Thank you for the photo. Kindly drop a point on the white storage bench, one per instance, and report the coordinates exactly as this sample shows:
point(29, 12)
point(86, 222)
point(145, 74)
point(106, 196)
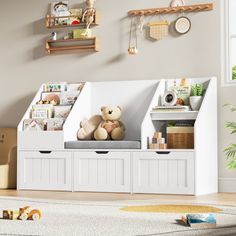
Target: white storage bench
point(163, 172)
point(55, 160)
point(45, 170)
point(103, 171)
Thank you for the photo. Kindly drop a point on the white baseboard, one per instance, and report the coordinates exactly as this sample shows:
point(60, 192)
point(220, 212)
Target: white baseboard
point(227, 185)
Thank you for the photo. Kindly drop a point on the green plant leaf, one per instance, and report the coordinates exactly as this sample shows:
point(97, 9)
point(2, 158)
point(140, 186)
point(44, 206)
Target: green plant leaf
point(230, 151)
point(197, 90)
point(234, 73)
point(232, 126)
point(231, 107)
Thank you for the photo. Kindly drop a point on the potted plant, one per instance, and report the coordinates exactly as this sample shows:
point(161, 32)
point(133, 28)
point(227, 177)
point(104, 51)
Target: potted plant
point(230, 150)
point(196, 96)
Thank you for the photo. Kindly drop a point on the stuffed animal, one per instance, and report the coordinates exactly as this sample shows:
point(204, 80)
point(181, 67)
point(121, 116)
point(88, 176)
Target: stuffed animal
point(110, 127)
point(87, 127)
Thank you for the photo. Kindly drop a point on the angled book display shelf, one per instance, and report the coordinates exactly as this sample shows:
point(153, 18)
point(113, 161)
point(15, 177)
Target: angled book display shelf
point(46, 162)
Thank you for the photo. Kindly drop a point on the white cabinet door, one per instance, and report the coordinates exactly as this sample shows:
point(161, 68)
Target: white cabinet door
point(163, 172)
point(102, 171)
point(44, 170)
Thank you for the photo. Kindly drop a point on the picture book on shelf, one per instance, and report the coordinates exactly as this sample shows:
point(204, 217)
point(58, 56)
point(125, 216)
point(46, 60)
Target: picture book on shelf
point(34, 125)
point(62, 111)
point(55, 87)
point(51, 124)
point(55, 124)
point(68, 97)
point(40, 114)
point(42, 111)
point(54, 106)
point(51, 97)
point(75, 86)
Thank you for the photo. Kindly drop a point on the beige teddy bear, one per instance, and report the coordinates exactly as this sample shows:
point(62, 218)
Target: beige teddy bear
point(111, 127)
point(87, 127)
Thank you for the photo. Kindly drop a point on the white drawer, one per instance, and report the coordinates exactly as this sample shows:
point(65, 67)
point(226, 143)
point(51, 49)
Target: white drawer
point(40, 140)
point(102, 171)
point(44, 170)
point(163, 172)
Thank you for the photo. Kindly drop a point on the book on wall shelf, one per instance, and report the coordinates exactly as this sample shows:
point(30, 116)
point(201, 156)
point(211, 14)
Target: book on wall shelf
point(50, 21)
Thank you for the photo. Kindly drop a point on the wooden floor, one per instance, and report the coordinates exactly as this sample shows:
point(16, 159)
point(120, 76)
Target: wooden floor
point(219, 198)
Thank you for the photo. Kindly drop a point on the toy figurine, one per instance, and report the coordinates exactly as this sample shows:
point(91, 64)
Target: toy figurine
point(23, 214)
point(54, 35)
point(89, 13)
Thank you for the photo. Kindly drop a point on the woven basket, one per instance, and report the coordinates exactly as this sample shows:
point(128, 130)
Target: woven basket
point(158, 30)
point(180, 137)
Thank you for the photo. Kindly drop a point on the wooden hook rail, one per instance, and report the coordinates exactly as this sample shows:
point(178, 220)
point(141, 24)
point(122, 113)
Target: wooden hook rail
point(169, 10)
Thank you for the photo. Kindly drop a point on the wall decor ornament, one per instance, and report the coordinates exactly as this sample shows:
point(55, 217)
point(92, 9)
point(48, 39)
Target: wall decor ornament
point(169, 98)
point(133, 49)
point(89, 13)
point(177, 3)
point(172, 10)
point(158, 30)
point(182, 25)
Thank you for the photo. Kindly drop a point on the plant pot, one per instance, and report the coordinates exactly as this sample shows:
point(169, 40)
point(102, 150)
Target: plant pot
point(195, 102)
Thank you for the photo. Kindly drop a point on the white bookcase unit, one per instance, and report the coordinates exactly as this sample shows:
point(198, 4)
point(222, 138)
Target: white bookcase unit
point(45, 164)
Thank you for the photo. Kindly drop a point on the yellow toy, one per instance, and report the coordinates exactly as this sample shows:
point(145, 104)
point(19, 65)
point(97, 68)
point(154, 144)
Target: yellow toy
point(23, 214)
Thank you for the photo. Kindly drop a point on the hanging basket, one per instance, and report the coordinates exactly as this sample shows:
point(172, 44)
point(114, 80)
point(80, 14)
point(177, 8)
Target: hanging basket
point(158, 30)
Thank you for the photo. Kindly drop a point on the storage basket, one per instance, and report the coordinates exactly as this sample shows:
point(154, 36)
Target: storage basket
point(158, 30)
point(180, 137)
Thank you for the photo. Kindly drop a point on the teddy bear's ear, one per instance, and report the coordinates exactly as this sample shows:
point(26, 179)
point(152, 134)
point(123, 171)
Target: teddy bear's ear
point(119, 108)
point(102, 108)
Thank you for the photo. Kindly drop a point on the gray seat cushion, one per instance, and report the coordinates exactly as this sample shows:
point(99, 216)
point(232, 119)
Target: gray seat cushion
point(103, 144)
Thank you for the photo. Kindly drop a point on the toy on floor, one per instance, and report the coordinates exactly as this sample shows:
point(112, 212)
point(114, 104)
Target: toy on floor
point(110, 127)
point(22, 214)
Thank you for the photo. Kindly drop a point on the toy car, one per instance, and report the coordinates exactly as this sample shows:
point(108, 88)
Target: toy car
point(23, 214)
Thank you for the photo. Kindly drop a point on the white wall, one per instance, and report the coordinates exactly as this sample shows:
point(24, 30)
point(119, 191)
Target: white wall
point(24, 66)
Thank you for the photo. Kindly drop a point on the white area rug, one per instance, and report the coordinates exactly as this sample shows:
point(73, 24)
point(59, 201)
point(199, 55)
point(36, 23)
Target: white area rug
point(104, 219)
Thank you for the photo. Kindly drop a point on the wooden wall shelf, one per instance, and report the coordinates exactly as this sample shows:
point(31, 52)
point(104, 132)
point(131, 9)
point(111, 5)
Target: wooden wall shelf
point(72, 45)
point(49, 22)
point(169, 10)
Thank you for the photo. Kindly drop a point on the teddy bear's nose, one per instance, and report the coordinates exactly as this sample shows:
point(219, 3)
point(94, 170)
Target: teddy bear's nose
point(110, 112)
